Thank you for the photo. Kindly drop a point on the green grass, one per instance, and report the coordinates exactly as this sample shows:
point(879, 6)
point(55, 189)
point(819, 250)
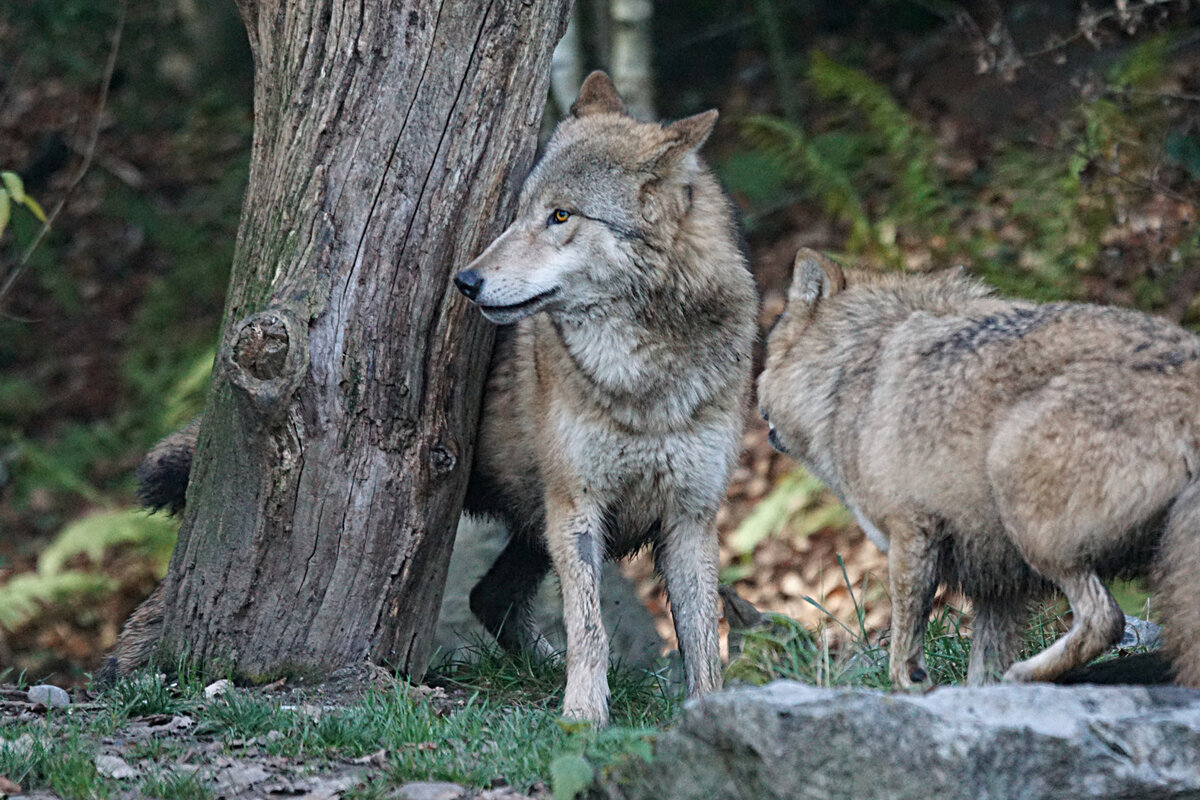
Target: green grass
point(495, 721)
point(785, 649)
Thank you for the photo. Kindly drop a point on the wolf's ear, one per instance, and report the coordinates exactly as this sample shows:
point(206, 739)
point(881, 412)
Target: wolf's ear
point(598, 95)
point(687, 135)
point(814, 277)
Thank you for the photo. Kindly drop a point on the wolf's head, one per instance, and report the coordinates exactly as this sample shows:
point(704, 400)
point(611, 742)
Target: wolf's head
point(607, 187)
point(815, 279)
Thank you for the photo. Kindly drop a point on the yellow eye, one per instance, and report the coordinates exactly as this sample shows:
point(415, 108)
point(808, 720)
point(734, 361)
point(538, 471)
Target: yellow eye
point(559, 216)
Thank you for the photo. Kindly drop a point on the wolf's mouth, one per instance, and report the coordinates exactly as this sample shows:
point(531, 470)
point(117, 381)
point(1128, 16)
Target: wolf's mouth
point(516, 308)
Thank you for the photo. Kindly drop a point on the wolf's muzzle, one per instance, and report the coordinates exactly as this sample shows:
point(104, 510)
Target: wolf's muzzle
point(469, 282)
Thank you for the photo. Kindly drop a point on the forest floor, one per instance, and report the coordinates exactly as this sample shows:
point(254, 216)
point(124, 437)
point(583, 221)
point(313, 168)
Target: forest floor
point(360, 735)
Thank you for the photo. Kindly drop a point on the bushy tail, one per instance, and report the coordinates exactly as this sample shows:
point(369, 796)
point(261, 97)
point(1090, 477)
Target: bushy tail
point(1178, 581)
point(162, 484)
point(163, 474)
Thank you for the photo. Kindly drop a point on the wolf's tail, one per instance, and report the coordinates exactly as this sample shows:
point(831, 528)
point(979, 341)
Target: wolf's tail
point(1178, 581)
point(163, 474)
point(162, 484)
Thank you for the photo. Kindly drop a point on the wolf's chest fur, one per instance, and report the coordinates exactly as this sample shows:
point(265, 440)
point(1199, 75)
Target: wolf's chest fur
point(595, 413)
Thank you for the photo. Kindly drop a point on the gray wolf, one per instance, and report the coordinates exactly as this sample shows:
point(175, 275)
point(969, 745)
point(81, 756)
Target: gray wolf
point(615, 404)
point(1006, 448)
point(616, 396)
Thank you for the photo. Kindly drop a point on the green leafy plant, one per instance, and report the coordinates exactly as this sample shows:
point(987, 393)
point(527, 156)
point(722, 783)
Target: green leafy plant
point(12, 193)
point(26, 595)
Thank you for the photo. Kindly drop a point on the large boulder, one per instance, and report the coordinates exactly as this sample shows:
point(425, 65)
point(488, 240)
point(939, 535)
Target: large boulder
point(633, 638)
point(790, 741)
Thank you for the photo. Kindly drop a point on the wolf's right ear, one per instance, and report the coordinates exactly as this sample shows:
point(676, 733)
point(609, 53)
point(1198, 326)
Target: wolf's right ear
point(598, 95)
point(814, 277)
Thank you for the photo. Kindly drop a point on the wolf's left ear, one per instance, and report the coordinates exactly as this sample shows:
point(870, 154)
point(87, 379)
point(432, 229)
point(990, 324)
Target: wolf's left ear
point(687, 135)
point(598, 95)
point(814, 277)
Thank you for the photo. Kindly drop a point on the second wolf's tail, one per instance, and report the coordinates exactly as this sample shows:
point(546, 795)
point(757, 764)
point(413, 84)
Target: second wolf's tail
point(1178, 581)
point(163, 474)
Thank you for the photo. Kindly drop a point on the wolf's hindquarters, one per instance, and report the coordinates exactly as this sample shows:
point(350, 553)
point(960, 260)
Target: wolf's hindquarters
point(1177, 574)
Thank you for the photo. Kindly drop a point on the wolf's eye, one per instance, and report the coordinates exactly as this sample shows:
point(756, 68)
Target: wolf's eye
point(558, 216)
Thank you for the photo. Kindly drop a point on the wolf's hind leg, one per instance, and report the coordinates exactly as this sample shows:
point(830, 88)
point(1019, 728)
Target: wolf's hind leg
point(912, 581)
point(503, 598)
point(687, 558)
point(1098, 625)
point(995, 638)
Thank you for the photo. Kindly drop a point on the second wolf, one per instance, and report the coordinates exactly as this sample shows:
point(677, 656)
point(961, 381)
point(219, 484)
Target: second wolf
point(1006, 448)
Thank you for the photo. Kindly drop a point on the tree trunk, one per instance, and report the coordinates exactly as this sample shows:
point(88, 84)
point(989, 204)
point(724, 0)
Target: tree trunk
point(390, 139)
point(633, 55)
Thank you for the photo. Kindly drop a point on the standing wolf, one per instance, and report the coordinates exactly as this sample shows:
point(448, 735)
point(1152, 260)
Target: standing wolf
point(614, 405)
point(1003, 447)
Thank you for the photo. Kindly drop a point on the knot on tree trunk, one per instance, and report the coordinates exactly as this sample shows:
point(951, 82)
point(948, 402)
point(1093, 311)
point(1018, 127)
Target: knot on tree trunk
point(266, 357)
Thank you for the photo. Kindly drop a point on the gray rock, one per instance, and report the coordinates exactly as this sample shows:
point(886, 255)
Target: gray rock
point(789, 740)
point(632, 634)
point(1140, 633)
point(430, 790)
point(48, 695)
point(114, 767)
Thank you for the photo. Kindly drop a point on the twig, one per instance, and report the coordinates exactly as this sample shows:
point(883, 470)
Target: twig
point(1089, 24)
point(89, 154)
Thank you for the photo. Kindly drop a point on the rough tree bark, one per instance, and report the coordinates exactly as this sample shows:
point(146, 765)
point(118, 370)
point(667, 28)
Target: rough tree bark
point(390, 137)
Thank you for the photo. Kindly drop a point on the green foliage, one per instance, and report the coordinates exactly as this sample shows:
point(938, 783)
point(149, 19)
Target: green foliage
point(12, 192)
point(144, 693)
point(637, 697)
point(798, 504)
point(570, 776)
point(178, 785)
point(92, 535)
point(59, 758)
point(26, 595)
point(878, 149)
point(1034, 216)
point(795, 156)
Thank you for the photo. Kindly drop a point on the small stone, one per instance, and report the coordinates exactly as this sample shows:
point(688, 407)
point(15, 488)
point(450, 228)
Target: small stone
point(48, 695)
point(114, 767)
point(216, 689)
point(1140, 633)
point(791, 585)
point(431, 790)
point(274, 736)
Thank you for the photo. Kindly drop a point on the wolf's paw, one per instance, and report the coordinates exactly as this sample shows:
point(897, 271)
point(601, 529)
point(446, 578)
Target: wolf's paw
point(910, 677)
point(587, 703)
point(1021, 672)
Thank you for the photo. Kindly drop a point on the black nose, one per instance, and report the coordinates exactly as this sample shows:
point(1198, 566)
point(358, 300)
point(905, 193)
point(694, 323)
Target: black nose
point(469, 282)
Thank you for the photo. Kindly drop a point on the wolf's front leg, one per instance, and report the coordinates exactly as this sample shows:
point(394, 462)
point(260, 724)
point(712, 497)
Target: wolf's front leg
point(912, 581)
point(687, 558)
point(574, 534)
